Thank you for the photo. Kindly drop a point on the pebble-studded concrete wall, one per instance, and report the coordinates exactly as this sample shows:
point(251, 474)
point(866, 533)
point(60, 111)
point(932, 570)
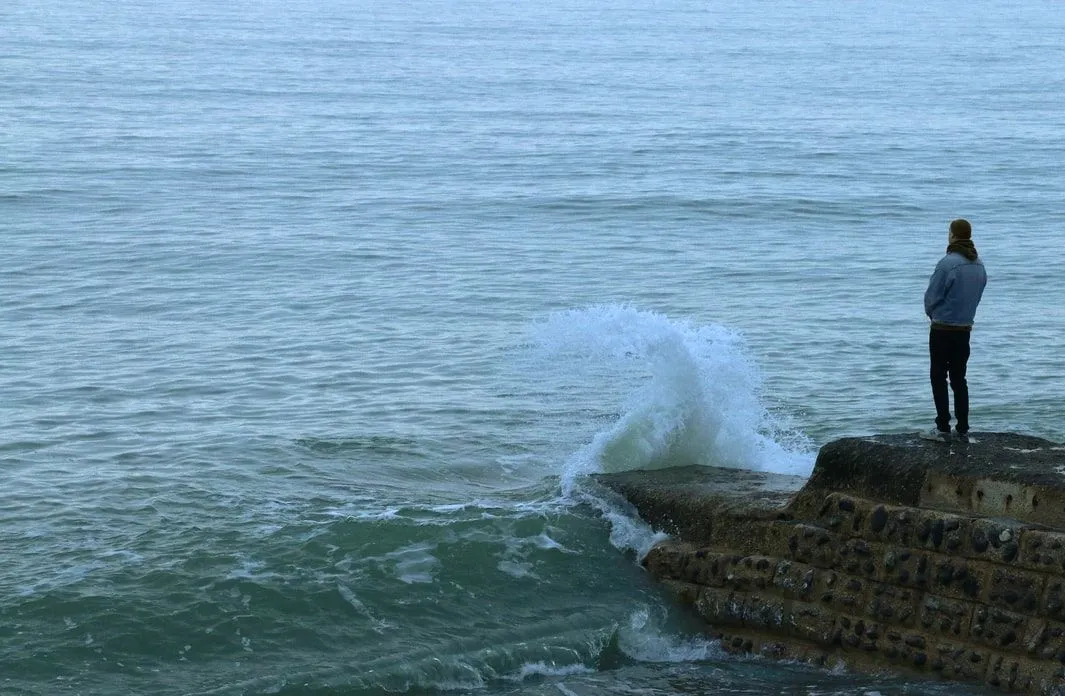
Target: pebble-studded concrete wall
point(952, 595)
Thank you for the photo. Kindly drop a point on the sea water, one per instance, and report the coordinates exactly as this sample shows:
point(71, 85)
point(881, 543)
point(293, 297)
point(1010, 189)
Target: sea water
point(316, 315)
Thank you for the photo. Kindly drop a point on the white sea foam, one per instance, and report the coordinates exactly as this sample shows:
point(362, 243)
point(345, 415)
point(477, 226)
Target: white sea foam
point(515, 559)
point(349, 596)
point(516, 569)
point(543, 541)
point(249, 569)
point(645, 640)
point(434, 515)
point(543, 669)
point(415, 563)
point(627, 533)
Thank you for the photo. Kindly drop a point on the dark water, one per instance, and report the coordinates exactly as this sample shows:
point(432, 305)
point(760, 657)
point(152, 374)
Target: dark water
point(313, 316)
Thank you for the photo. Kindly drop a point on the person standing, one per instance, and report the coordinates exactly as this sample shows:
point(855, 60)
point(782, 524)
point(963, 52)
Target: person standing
point(953, 293)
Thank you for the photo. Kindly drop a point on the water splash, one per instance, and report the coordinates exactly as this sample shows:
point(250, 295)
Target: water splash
point(685, 394)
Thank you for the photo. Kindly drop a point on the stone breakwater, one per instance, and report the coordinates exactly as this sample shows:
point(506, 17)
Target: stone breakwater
point(897, 554)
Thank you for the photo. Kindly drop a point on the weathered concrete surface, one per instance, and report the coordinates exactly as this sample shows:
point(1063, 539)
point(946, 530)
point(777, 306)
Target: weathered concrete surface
point(685, 501)
point(898, 553)
point(994, 474)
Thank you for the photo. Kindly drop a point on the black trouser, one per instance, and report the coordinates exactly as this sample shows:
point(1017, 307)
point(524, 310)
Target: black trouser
point(949, 351)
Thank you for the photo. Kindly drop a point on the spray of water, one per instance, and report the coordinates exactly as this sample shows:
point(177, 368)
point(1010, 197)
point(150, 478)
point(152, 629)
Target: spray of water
point(680, 394)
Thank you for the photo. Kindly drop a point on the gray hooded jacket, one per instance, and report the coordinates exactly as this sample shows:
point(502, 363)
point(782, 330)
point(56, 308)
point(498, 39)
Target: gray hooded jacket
point(955, 290)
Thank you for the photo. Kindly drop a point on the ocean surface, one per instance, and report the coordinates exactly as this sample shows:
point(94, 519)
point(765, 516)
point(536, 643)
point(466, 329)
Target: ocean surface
point(315, 315)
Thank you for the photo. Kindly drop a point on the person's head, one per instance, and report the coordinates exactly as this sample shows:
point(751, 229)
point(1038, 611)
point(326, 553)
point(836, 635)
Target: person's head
point(960, 229)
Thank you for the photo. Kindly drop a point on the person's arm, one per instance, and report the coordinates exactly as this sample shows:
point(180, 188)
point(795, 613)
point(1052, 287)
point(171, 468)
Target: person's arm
point(938, 285)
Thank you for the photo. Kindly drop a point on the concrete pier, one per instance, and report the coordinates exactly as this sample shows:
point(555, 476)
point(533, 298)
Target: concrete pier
point(898, 554)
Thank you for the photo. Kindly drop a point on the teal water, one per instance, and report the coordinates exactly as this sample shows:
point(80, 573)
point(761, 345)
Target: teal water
point(315, 315)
